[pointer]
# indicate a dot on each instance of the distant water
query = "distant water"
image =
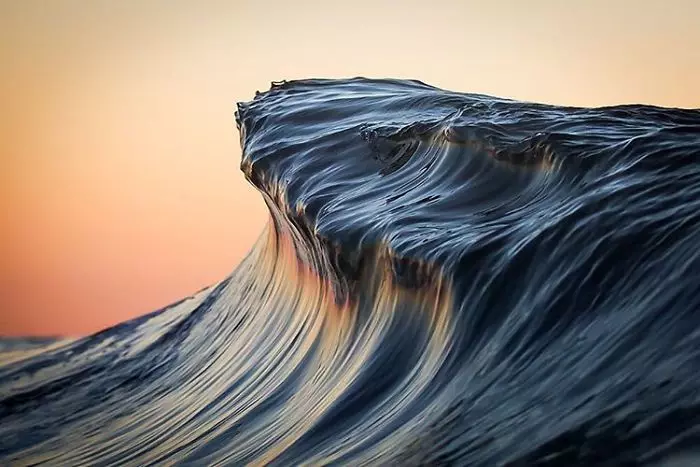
(446, 279)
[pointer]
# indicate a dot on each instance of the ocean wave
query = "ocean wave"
(446, 279)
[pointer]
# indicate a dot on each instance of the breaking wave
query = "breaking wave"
(446, 279)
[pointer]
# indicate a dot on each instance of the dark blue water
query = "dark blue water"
(446, 279)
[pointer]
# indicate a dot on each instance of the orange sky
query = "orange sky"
(120, 190)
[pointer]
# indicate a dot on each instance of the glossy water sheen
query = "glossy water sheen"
(446, 279)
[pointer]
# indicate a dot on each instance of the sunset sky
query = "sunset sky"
(120, 190)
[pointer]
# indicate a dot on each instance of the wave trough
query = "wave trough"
(446, 279)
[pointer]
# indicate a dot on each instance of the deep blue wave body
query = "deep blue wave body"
(517, 284)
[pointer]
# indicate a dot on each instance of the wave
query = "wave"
(446, 279)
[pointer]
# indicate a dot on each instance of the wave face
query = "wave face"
(446, 279)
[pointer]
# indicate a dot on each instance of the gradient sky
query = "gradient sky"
(120, 190)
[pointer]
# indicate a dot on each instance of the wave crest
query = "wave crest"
(445, 279)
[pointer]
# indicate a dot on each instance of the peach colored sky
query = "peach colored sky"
(120, 189)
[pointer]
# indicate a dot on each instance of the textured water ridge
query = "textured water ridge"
(446, 279)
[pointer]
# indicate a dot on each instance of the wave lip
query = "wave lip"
(446, 279)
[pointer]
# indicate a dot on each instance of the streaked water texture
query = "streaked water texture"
(446, 279)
